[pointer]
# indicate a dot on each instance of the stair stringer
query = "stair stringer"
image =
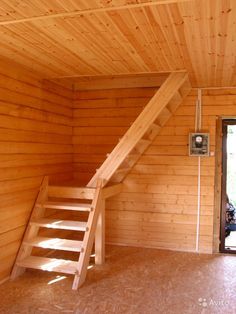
(37, 212)
(89, 237)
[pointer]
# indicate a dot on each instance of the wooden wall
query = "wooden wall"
(158, 206)
(35, 140)
(159, 203)
(101, 117)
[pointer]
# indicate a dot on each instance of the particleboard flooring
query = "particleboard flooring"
(133, 280)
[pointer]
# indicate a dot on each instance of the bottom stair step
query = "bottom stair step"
(55, 244)
(49, 264)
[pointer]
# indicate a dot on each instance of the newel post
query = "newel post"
(100, 234)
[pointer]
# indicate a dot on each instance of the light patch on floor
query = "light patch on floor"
(230, 241)
(132, 281)
(57, 278)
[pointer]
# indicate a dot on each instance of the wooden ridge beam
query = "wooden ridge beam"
(91, 11)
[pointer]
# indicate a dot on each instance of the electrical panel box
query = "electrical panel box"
(199, 144)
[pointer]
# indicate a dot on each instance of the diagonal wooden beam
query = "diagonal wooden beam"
(140, 126)
(113, 7)
(130, 80)
(112, 190)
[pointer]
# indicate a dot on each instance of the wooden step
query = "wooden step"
(152, 132)
(122, 170)
(71, 192)
(120, 174)
(49, 264)
(130, 160)
(144, 141)
(142, 145)
(185, 88)
(164, 116)
(60, 224)
(68, 206)
(55, 244)
(175, 101)
(133, 156)
(155, 125)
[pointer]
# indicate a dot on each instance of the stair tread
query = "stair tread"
(68, 206)
(155, 125)
(133, 155)
(49, 264)
(123, 169)
(71, 192)
(55, 243)
(60, 224)
(144, 141)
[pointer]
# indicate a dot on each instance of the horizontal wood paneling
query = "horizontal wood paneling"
(101, 117)
(35, 140)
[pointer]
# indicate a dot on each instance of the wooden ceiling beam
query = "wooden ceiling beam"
(135, 80)
(91, 11)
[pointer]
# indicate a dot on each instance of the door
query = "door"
(228, 196)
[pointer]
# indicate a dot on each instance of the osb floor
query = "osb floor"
(133, 280)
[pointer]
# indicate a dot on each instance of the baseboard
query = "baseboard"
(158, 248)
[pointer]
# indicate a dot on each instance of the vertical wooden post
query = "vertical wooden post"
(89, 236)
(100, 236)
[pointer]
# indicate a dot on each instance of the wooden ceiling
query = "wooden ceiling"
(63, 38)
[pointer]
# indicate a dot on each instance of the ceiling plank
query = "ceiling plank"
(90, 11)
(197, 36)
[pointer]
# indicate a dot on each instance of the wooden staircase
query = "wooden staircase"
(38, 220)
(144, 129)
(113, 170)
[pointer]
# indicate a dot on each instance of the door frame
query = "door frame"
(224, 124)
(218, 184)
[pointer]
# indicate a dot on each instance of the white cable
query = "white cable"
(198, 126)
(198, 204)
(196, 117)
(200, 109)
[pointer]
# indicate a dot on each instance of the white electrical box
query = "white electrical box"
(199, 144)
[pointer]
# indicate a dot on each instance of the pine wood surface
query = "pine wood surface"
(90, 38)
(35, 140)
